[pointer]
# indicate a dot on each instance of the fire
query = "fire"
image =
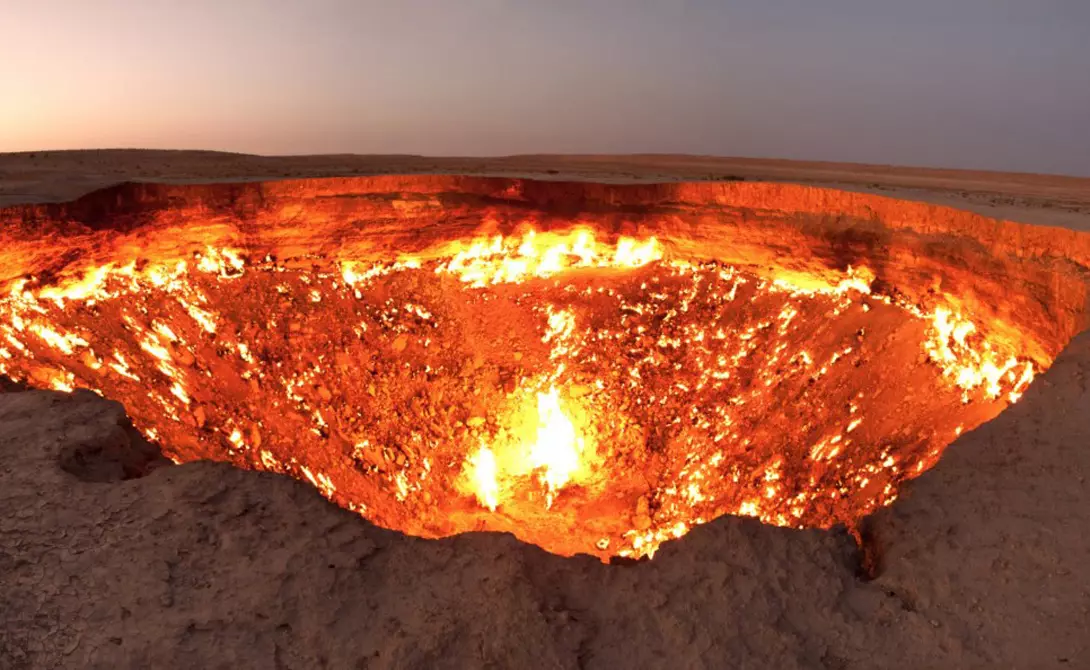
(589, 393)
(974, 366)
(544, 445)
(558, 447)
(481, 469)
(500, 259)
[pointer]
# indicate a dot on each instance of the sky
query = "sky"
(987, 84)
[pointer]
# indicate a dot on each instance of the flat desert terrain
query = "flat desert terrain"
(51, 176)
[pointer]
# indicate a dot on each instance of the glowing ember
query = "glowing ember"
(589, 395)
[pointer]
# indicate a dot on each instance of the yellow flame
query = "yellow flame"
(973, 366)
(559, 447)
(499, 259)
(482, 470)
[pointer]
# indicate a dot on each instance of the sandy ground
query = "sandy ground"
(1026, 198)
(984, 562)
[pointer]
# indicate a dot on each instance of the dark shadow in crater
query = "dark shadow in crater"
(122, 454)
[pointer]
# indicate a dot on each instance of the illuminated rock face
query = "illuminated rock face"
(593, 368)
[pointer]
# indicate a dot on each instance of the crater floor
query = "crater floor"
(584, 404)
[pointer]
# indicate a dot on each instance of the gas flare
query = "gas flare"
(481, 467)
(558, 448)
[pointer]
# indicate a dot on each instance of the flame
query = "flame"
(974, 364)
(482, 471)
(499, 259)
(552, 451)
(558, 448)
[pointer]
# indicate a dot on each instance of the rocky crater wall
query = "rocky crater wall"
(1014, 278)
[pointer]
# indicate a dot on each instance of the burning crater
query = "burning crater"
(595, 369)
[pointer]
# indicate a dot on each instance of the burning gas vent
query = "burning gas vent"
(588, 391)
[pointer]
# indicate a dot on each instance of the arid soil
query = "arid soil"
(1052, 200)
(111, 557)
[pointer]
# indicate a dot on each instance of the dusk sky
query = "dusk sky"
(996, 84)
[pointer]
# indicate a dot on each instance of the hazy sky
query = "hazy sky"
(1001, 84)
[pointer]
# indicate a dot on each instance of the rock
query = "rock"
(475, 421)
(343, 361)
(399, 343)
(374, 455)
(510, 384)
(579, 390)
(185, 357)
(88, 358)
